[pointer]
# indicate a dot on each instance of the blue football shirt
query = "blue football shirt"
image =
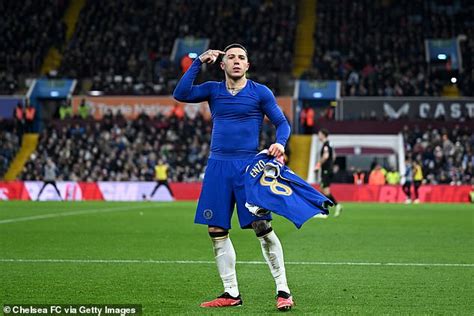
(237, 119)
(285, 193)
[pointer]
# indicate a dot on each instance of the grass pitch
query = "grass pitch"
(374, 259)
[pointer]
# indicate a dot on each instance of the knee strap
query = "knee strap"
(262, 227)
(219, 235)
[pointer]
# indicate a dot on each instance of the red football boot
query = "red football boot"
(284, 301)
(225, 300)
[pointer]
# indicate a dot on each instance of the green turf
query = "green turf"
(366, 233)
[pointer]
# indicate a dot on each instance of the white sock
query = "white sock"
(273, 254)
(225, 258)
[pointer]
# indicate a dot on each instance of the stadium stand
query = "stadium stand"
(446, 155)
(9, 144)
(124, 46)
(376, 48)
(27, 31)
(119, 150)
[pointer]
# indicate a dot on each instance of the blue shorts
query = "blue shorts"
(222, 188)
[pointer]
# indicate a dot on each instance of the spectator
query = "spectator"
(417, 179)
(161, 177)
(30, 116)
(307, 119)
(49, 177)
(377, 176)
(393, 176)
(408, 180)
(65, 111)
(19, 117)
(84, 110)
(359, 177)
(9, 145)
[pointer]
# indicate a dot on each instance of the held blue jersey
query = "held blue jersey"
(237, 119)
(271, 186)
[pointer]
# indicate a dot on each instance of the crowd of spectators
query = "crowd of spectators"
(9, 145)
(115, 149)
(446, 156)
(125, 46)
(377, 48)
(28, 29)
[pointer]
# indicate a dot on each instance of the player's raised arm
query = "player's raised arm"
(185, 90)
(276, 116)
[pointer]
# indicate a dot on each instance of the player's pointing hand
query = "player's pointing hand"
(210, 56)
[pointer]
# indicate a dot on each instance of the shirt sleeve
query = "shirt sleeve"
(274, 113)
(185, 91)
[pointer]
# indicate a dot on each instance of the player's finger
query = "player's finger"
(273, 150)
(220, 52)
(281, 159)
(213, 59)
(279, 149)
(208, 57)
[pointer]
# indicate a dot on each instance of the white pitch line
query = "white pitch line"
(72, 213)
(311, 263)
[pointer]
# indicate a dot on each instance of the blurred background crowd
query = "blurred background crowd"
(124, 47)
(376, 48)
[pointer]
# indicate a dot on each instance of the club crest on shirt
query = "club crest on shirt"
(207, 214)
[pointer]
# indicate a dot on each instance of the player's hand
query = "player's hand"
(317, 166)
(276, 150)
(210, 56)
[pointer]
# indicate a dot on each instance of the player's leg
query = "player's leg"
(337, 205)
(326, 189)
(165, 183)
(225, 259)
(157, 185)
(215, 207)
(407, 190)
(45, 183)
(53, 183)
(269, 242)
(273, 254)
(416, 186)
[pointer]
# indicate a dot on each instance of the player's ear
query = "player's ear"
(248, 66)
(222, 65)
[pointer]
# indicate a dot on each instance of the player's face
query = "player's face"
(235, 63)
(321, 136)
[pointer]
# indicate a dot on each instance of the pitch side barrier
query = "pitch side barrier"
(140, 191)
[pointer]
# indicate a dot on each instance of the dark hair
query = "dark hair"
(234, 45)
(324, 131)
